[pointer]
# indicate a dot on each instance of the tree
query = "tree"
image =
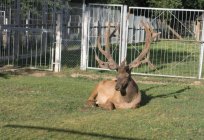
(165, 3)
(187, 4)
(127, 2)
(193, 4)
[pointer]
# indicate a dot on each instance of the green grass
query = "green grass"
(52, 107)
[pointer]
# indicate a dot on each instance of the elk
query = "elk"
(121, 92)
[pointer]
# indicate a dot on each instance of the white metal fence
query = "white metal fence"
(45, 35)
(40, 34)
(177, 52)
(27, 34)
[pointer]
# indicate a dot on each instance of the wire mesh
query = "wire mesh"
(71, 39)
(176, 51)
(71, 53)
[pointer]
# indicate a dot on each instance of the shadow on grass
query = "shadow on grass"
(92, 134)
(147, 98)
(156, 69)
(4, 75)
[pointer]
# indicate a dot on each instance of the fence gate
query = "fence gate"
(102, 18)
(177, 52)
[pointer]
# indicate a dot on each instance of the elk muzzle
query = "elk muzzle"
(118, 87)
(121, 84)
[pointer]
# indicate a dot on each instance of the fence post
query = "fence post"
(44, 26)
(16, 34)
(57, 60)
(124, 33)
(201, 50)
(84, 41)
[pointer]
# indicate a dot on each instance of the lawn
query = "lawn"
(52, 107)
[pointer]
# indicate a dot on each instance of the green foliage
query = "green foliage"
(193, 4)
(127, 2)
(165, 3)
(35, 7)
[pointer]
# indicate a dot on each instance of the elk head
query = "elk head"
(124, 70)
(123, 76)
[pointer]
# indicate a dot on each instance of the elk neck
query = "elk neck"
(130, 89)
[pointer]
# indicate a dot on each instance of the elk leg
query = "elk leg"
(127, 106)
(108, 105)
(91, 100)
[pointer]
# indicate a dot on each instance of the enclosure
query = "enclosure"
(53, 34)
(48, 70)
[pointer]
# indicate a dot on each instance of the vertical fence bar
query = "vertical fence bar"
(43, 44)
(17, 38)
(124, 33)
(201, 50)
(57, 62)
(84, 42)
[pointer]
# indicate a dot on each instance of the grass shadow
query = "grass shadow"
(147, 98)
(4, 75)
(156, 69)
(70, 131)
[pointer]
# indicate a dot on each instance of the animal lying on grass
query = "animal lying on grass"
(122, 92)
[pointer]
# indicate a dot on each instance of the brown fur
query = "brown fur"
(121, 93)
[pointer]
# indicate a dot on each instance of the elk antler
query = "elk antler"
(111, 64)
(150, 35)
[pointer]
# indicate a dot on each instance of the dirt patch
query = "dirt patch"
(138, 79)
(76, 75)
(197, 83)
(39, 74)
(95, 77)
(151, 82)
(46, 73)
(24, 71)
(91, 76)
